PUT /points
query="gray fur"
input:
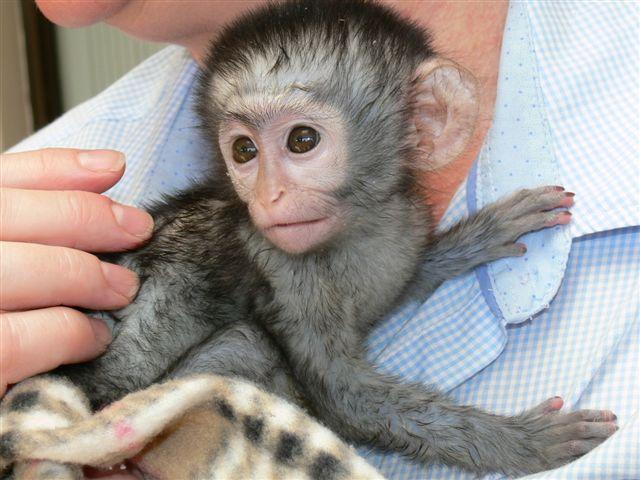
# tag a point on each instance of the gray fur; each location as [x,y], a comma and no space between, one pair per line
[218,297]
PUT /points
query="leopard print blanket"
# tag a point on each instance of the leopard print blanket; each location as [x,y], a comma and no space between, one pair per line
[200,427]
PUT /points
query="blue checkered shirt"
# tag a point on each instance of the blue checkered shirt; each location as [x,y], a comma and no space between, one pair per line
[564,319]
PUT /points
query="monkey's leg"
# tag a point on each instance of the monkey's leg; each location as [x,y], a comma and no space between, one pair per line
[240,350]
[491,233]
[366,406]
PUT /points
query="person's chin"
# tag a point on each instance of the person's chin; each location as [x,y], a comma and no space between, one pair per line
[74,13]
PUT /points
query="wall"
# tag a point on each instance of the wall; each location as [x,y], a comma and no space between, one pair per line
[92,58]
[15,109]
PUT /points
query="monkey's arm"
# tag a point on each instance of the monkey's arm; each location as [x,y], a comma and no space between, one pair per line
[243,350]
[189,287]
[366,406]
[152,332]
[491,234]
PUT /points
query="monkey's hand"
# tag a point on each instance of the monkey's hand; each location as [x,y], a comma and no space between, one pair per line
[491,234]
[537,440]
[548,439]
[497,226]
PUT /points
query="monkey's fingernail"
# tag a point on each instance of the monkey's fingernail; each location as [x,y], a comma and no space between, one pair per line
[101,331]
[567,200]
[101,161]
[563,218]
[523,248]
[558,188]
[120,279]
[133,220]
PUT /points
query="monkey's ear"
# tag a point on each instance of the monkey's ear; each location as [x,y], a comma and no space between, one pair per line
[445,103]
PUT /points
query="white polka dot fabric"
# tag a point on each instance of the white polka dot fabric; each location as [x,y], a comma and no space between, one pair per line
[564,319]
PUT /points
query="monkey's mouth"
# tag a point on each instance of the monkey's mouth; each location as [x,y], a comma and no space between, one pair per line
[300,236]
[298,224]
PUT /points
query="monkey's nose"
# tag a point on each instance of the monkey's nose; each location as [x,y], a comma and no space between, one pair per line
[277,194]
[272,182]
[270,194]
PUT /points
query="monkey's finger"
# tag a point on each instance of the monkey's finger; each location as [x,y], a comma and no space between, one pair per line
[36,341]
[83,220]
[552,404]
[583,430]
[538,200]
[508,250]
[34,276]
[575,448]
[589,416]
[62,169]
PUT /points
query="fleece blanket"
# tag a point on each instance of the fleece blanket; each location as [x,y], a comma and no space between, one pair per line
[199,427]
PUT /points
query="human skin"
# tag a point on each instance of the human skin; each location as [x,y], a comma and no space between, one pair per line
[66,217]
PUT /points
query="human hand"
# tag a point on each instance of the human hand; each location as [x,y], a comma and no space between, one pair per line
[51,215]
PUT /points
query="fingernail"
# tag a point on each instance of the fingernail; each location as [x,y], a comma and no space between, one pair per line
[101,331]
[133,220]
[101,160]
[121,280]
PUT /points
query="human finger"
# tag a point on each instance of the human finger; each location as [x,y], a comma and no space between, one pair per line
[62,169]
[37,341]
[34,276]
[83,220]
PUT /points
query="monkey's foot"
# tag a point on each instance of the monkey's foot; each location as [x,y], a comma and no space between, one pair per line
[498,225]
[558,438]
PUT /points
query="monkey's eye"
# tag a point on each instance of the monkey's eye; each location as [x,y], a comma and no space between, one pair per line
[302,139]
[244,150]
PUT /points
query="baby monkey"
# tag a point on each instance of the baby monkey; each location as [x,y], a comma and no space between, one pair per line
[312,227]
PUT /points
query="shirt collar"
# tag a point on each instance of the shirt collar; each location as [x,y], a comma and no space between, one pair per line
[518,154]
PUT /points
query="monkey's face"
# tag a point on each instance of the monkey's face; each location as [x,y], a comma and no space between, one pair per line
[287,167]
[323,118]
